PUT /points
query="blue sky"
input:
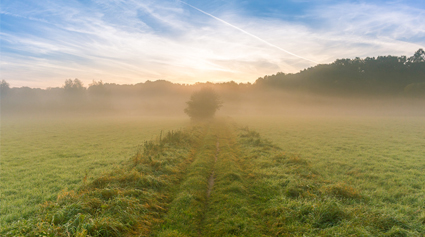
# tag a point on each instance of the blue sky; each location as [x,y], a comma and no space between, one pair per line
[126,42]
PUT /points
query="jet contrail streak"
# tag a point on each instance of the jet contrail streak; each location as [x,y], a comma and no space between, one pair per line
[245,32]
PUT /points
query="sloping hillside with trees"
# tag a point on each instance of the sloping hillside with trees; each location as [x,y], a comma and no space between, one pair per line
[381,76]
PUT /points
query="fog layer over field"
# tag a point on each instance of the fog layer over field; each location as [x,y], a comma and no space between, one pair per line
[386,85]
[163,98]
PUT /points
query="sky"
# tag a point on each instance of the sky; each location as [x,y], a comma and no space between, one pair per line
[43,43]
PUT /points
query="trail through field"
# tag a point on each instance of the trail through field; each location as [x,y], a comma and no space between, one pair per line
[240,184]
[213,199]
[217,179]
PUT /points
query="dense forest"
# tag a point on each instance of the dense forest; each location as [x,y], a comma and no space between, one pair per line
[381,76]
[385,78]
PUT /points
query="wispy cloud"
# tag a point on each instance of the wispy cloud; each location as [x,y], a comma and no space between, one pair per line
[370,30]
[133,41]
[249,34]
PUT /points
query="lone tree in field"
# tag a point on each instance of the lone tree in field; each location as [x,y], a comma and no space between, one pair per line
[203,104]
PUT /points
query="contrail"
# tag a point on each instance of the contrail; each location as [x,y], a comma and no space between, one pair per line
[245,32]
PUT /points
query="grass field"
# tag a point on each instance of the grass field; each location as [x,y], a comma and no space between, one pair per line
[279,176]
[384,157]
[42,156]
[380,159]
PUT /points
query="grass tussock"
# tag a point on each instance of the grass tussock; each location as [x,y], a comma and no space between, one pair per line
[342,190]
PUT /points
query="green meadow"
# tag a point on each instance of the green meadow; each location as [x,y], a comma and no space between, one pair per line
[372,167]
[248,176]
[384,157]
[41,156]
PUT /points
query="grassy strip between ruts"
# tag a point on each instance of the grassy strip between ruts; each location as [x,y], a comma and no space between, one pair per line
[188,208]
[230,209]
[129,200]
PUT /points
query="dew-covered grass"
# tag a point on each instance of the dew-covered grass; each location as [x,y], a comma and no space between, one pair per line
[367,171]
[268,176]
[42,156]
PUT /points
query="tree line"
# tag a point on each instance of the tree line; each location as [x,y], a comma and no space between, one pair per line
[380,76]
[383,76]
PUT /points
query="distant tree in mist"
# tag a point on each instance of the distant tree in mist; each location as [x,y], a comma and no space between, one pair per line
[74,86]
[99,96]
[74,96]
[97,88]
[4,88]
[203,104]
